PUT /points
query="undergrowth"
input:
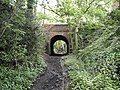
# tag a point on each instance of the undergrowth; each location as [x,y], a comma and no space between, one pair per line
[94,74]
[21,45]
[20,77]
[96,67]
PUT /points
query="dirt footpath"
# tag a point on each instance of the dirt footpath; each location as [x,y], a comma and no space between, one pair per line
[55,76]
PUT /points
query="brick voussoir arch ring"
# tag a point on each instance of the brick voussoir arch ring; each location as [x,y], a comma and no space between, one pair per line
[54,39]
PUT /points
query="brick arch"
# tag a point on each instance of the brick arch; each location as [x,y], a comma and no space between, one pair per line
[54,39]
[53,31]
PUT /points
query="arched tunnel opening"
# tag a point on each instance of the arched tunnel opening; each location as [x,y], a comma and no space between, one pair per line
[59,45]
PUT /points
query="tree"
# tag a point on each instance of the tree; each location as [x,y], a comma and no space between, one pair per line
[81,13]
[11,32]
[84,14]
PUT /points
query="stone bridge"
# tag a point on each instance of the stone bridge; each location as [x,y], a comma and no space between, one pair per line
[56,32]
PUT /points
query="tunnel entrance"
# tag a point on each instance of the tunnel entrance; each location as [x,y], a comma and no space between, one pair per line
[59,45]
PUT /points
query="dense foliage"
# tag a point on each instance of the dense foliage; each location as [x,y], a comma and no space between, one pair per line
[98,64]
[95,64]
[21,43]
[97,39]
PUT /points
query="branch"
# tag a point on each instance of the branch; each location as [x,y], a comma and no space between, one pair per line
[89,6]
[6,25]
[50,9]
[3,32]
[4,29]
[119,4]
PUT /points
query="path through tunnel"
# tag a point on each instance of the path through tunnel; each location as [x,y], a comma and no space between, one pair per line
[59,45]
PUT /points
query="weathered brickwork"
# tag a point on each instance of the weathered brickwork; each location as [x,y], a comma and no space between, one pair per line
[52,30]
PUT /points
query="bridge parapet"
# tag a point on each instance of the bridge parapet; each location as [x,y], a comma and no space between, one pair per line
[56,28]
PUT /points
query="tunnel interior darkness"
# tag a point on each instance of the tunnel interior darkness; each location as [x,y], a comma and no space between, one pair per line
[57,38]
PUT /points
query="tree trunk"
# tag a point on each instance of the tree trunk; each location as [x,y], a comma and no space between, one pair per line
[76,38]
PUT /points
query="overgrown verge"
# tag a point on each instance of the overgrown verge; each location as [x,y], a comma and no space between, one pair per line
[93,72]
[19,78]
[96,65]
[21,45]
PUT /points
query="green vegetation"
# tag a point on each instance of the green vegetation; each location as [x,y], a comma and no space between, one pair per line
[95,68]
[20,45]
[98,59]
[95,63]
[60,47]
[21,77]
